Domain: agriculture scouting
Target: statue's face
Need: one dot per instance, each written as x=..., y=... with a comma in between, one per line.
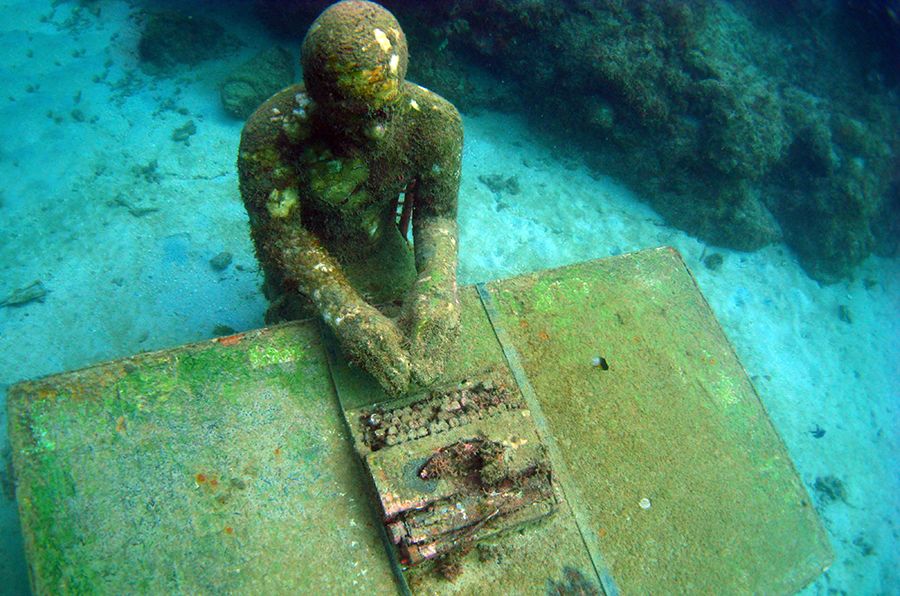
x=354, y=58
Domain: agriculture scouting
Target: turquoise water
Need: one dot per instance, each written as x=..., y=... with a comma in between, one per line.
x=119, y=196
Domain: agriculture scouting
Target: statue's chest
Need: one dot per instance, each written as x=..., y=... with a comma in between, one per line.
x=339, y=184
x=354, y=196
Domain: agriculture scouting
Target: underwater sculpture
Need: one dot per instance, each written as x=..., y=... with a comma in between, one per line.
x=333, y=171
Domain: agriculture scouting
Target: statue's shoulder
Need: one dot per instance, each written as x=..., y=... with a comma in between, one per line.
x=276, y=117
x=431, y=113
x=428, y=104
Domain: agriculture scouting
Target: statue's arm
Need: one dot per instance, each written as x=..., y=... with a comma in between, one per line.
x=432, y=308
x=368, y=337
x=269, y=189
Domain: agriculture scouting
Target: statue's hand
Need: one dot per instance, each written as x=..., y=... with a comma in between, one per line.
x=375, y=343
x=431, y=319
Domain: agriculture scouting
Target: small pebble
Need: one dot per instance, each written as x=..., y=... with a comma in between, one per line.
x=600, y=362
x=22, y=296
x=713, y=261
x=221, y=261
x=844, y=314
x=184, y=133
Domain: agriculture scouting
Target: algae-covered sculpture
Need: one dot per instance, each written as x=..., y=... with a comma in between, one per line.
x=333, y=171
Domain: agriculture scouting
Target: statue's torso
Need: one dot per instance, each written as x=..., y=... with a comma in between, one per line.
x=295, y=169
x=349, y=199
x=345, y=193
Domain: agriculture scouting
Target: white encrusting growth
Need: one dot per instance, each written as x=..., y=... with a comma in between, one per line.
x=382, y=40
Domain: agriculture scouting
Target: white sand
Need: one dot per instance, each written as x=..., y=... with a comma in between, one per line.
x=120, y=283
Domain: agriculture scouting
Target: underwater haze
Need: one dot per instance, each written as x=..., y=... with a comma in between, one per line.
x=760, y=139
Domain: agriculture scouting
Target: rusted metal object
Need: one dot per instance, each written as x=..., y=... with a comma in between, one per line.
x=453, y=466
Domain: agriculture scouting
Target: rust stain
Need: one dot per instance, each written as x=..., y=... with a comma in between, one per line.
x=230, y=340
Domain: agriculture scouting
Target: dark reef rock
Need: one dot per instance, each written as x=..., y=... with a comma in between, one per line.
x=171, y=39
x=256, y=80
x=743, y=122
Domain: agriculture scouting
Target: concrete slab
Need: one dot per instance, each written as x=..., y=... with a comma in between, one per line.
x=685, y=483
x=227, y=465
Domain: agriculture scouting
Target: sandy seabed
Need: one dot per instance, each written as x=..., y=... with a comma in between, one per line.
x=119, y=222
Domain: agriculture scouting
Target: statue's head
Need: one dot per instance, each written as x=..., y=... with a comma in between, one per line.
x=354, y=58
